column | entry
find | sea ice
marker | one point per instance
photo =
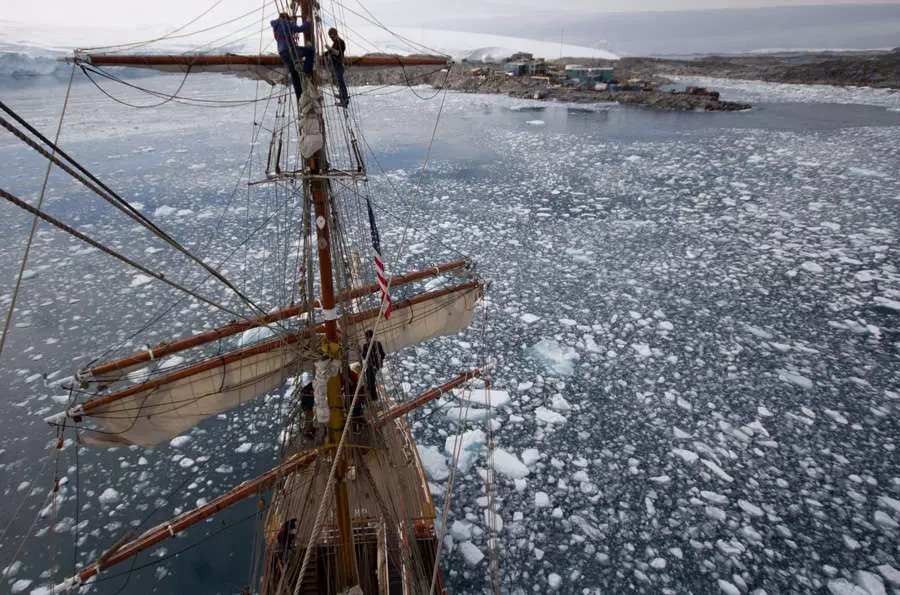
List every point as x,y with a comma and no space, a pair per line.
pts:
688,456
549,416
109,497
842,586
508,464
140,279
530,456
558,358
480,396
179,441
471,443
434,463
470,553
728,588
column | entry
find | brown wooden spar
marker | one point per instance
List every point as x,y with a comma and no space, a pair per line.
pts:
404,408
164,349
171,528
270,60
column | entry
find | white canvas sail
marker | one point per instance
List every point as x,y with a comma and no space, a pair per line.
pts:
172,404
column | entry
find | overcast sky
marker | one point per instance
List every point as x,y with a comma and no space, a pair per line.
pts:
115,13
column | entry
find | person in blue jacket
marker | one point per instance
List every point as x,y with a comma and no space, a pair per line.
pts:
285,28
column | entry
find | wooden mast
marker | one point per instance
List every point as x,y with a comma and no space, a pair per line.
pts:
332,345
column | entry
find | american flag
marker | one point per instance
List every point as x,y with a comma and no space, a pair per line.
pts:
379,264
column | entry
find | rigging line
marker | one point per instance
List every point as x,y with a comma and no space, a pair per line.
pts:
182,36
462,420
54,499
138,44
113,198
178,99
22,503
98,579
41,214
15,295
218,42
374,21
161,103
166,310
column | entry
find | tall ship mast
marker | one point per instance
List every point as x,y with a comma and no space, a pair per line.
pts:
349,507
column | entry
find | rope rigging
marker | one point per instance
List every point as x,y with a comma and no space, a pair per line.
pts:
72,231
103,191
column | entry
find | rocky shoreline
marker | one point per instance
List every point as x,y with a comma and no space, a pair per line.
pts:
872,69
461,78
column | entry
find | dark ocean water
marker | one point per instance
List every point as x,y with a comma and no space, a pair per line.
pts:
696,317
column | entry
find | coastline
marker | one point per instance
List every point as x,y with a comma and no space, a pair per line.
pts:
858,69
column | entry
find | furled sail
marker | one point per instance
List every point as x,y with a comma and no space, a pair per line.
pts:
161,408
113,371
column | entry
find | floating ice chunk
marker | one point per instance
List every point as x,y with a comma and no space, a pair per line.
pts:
643,350
661,479
888,502
863,173
541,500
528,318
836,416
549,416
870,581
679,434
812,267
480,396
530,456
554,580
508,464
890,574
560,359
434,463
524,386
139,280
20,585
245,447
11,570
728,588
559,403
470,553
794,378
535,122
109,497
470,444
851,543
759,333
886,303
461,530
186,462
750,508
179,441
883,520
658,563
164,211
717,470
688,456
714,497
842,586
